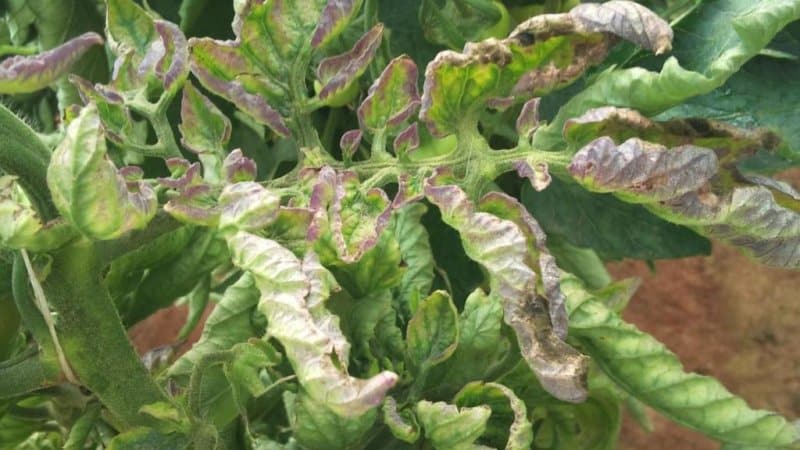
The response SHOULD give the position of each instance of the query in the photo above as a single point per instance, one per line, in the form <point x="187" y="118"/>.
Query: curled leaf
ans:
<point x="628" y="20"/>
<point x="114" y="115"/>
<point x="393" y="98"/>
<point x="309" y="339"/>
<point x="238" y="167"/>
<point x="89" y="191"/>
<point x="407" y="141"/>
<point x="642" y="169"/>
<point x="353" y="218"/>
<point x="173" y="67"/>
<point x="23" y="74"/>
<point x="509" y="426"/>
<point x="338" y="73"/>
<point x="528" y="119"/>
<point x="505" y="250"/>
<point x="432" y="333"/>
<point x="20" y="225"/>
<point x="677" y="184"/>
<point x="335" y="17"/>
<point x="448" y="426"/>
<point x="402" y="424"/>
<point x="247" y="206"/>
<point x="536" y="172"/>
<point x="349" y="143"/>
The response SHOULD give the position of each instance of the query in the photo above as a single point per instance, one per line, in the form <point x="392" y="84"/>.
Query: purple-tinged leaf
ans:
<point x="500" y="103"/>
<point x="411" y="188"/>
<point x="628" y="20"/>
<point x="115" y="117"/>
<point x="195" y="205"/>
<point x="309" y="333"/>
<point x="204" y="128"/>
<point x="679" y="185"/>
<point x="89" y="191"/>
<point x="641" y="170"/>
<point x="544" y="53"/>
<point x="247" y="206"/>
<point x="508" y="208"/>
<point x="528" y="119"/>
<point x="238" y="167"/>
<point x="183" y="174"/>
<point x="349" y="143"/>
<point x="774" y="185"/>
<point x="23" y="74"/>
<point x="393" y="98"/>
<point x="353" y="218"/>
<point x="505" y="249"/>
<point x="406" y="141"/>
<point x="223" y="70"/>
<point x="536" y="172"/>
<point x="334" y="19"/>
<point x="338" y="73"/>
<point x="730" y="142"/>
<point x="173" y="67"/>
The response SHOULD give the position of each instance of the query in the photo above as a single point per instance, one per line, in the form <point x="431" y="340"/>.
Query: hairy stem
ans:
<point x="109" y="367"/>
<point x="26" y="375"/>
<point x="24" y="155"/>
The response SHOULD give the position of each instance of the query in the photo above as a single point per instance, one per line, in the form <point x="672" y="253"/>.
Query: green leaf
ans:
<point x="504" y="249"/>
<point x="584" y="219"/>
<point x="141" y="438"/>
<point x="190" y="11"/>
<point x="393" y="98"/>
<point x="718" y="38"/>
<point x="454" y="23"/>
<point x="415" y="249"/>
<point x="230" y="323"/>
<point x="542" y="54"/>
<point x="316" y="427"/>
<point x="292" y="296"/>
<point x="508" y="427"/>
<point x="402" y="424"/>
<point x="88" y="190"/>
<point x="24" y="74"/>
<point x="649" y="371"/>
<point x="247" y="206"/>
<point x="20" y="225"/>
<point x="583" y="262"/>
<point x="432" y="333"/>
<point x="449" y="427"/>
<point x="129" y="27"/>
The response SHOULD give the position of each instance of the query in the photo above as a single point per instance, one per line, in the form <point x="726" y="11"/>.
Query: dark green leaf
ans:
<point x="432" y="334"/>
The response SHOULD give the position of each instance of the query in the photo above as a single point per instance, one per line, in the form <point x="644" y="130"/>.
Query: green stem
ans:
<point x="109" y="367"/>
<point x="161" y="224"/>
<point x="82" y="428"/>
<point x="27" y="375"/>
<point x="24" y="155"/>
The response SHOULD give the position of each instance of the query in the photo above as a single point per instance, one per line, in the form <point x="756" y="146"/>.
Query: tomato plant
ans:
<point x="400" y="211"/>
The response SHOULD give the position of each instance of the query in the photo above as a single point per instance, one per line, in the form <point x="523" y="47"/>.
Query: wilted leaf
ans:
<point x="447" y="426"/>
<point x="24" y="74"/>
<point x="402" y="424"/>
<point x="503" y="249"/>
<point x="678" y="185"/>
<point x="717" y="40"/>
<point x="309" y="340"/>
<point x="89" y="191"/>
<point x="543" y="53"/>
<point x="509" y="426"/>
